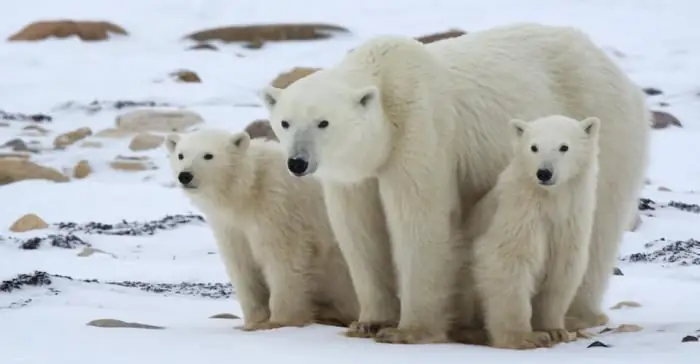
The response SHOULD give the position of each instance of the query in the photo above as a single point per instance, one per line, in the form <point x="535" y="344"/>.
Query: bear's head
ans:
<point x="554" y="149"/>
<point x="207" y="160"/>
<point x="328" y="127"/>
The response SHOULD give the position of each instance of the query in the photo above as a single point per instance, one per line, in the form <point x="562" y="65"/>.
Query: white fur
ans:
<point x="420" y="132"/>
<point x="272" y="229"/>
<point x="533" y="255"/>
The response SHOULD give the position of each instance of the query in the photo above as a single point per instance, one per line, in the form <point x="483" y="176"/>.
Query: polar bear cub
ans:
<point x="532" y="258"/>
<point x="271" y="228"/>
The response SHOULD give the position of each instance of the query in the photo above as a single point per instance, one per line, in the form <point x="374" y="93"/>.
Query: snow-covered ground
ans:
<point x="657" y="42"/>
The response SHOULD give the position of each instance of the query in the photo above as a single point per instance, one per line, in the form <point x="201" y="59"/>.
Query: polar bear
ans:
<point x="417" y="131"/>
<point x="531" y="258"/>
<point x="272" y="229"/>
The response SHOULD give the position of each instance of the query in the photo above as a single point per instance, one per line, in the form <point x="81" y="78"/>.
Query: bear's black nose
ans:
<point x="185" y="177"/>
<point x="297" y="166"/>
<point x="544" y="175"/>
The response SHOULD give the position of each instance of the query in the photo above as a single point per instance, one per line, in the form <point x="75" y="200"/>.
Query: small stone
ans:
<point x="203" y="46"/>
<point x="651" y="91"/>
<point x="431" y="38"/>
<point x="36" y="128"/>
<point x="91" y="144"/>
<point x="129" y="166"/>
<point x="71" y="137"/>
<point x="664" y="189"/>
<point x="28" y="222"/>
<point x="82" y="169"/>
<point x="17" y="145"/>
<point x="623" y="304"/>
<point x="617" y="271"/>
<point x="689" y="339"/>
<point x="598" y="344"/>
<point x="146" y="141"/>
<point x="186" y="76"/>
<point x="662" y="120"/>
<point x="112" y="323"/>
<point x="88" y="251"/>
<point x="225" y="316"/>
<point x="132" y="157"/>
<point x="628" y="328"/>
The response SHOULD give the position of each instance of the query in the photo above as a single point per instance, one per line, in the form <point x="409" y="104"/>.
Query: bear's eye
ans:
<point x="533" y="148"/>
<point x="285" y="124"/>
<point x="564" y="148"/>
<point x="208" y="156"/>
<point x="323" y="124"/>
<point x="180" y="156"/>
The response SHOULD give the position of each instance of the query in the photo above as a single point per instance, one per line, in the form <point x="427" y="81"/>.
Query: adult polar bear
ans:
<point x="419" y="132"/>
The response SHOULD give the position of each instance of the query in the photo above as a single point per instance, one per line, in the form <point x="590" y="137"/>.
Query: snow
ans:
<point x="656" y="42"/>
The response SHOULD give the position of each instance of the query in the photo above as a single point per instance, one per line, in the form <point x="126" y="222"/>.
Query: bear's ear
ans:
<point x="591" y="126"/>
<point x="366" y="95"/>
<point x="269" y="95"/>
<point x="171" y="141"/>
<point x="240" y="141"/>
<point x="518" y="127"/>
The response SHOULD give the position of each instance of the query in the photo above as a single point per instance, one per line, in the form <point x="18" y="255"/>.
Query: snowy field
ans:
<point x="166" y="272"/>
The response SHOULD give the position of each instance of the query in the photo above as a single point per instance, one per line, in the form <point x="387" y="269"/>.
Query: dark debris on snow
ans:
<point x="100" y="105"/>
<point x="24" y="117"/>
<point x="680" y="252"/>
<point x="646" y="204"/>
<point x="131" y="228"/>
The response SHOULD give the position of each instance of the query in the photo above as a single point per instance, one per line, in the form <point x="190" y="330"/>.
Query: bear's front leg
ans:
<point x="358" y="222"/>
<point x="244" y="273"/>
<point x="419" y="219"/>
<point x="507" y="260"/>
<point x="287" y="269"/>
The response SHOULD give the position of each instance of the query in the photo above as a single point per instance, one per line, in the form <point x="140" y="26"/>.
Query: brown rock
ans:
<point x="71" y="137"/>
<point x="112" y="323"/>
<point x="261" y="129"/>
<point x="254" y="44"/>
<point x="146" y="141"/>
<point x="28" y="222"/>
<point x="185" y="76"/>
<point x="15" y="170"/>
<point x="203" y="46"/>
<point x="85" y="30"/>
<point x="284" y="79"/>
<point x="82" y="169"/>
<point x="157" y="120"/>
<point x="14" y="155"/>
<point x="268" y="32"/>
<point x="129" y="166"/>
<point x="663" y="119"/>
<point x="430" y="38"/>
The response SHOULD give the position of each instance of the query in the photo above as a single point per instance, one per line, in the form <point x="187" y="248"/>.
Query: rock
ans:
<point x="112" y="323"/>
<point x="129" y="166"/>
<point x="664" y="189"/>
<point x="617" y="272"/>
<point x="100" y="105"/>
<point x="28" y="222"/>
<point x="18" y="145"/>
<point x="254" y="44"/>
<point x="91" y="144"/>
<point x="85" y="30"/>
<point x="156" y="120"/>
<point x="4" y="124"/>
<point x="15" y="170"/>
<point x="628" y="328"/>
<point x="225" y="316"/>
<point x="268" y="32"/>
<point x="71" y="137"/>
<point x="430" y="38"/>
<point x="146" y="141"/>
<point x="598" y="344"/>
<point x="689" y="339"/>
<point x="82" y="169"/>
<point x="622" y="304"/>
<point x="185" y="76"/>
<point x="663" y="119"/>
<point x="132" y="157"/>
<point x="283" y="80"/>
<point x="24" y="117"/>
<point x="260" y="129"/>
<point x="35" y="130"/>
<point x="114" y="133"/>
<point x="635" y="223"/>
<point x="203" y="46"/>
<point x="651" y="91"/>
<point x="88" y="251"/>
